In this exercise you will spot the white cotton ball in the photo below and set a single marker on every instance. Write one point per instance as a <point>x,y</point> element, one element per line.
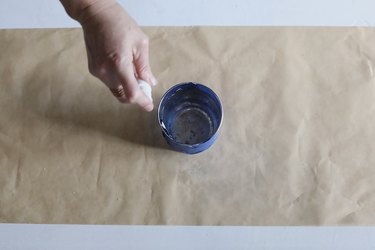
<point>145,87</point>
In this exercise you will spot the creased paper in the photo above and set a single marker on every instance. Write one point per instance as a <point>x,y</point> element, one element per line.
<point>296,146</point>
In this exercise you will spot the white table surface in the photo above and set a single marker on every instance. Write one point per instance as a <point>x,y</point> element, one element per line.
<point>50,14</point>
<point>72,237</point>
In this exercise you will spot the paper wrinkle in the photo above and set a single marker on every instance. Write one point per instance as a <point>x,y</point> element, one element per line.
<point>17,179</point>
<point>205,43</point>
<point>370,67</point>
<point>368,62</point>
<point>366,58</point>
<point>359,41</point>
<point>156,201</point>
<point>99,166</point>
<point>299,134</point>
<point>6,146</point>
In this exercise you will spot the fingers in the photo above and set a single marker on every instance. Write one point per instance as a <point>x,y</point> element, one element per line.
<point>119,76</point>
<point>125,75</point>
<point>142,65</point>
<point>121,71</point>
<point>110,80</point>
<point>119,93</point>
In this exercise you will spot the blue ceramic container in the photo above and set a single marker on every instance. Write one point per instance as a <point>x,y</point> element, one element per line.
<point>190,115</point>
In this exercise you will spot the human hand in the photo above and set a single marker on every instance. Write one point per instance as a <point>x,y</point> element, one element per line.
<point>117,51</point>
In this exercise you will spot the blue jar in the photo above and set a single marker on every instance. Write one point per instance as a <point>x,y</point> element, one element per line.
<point>190,115</point>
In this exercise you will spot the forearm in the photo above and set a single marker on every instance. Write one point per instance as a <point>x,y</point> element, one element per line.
<point>80,10</point>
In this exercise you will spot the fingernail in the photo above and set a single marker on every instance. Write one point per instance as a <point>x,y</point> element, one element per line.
<point>154,82</point>
<point>149,107</point>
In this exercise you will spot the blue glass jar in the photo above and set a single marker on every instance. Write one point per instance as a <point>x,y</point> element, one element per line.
<point>190,115</point>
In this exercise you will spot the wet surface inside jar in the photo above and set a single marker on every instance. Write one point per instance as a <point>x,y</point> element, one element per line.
<point>191,126</point>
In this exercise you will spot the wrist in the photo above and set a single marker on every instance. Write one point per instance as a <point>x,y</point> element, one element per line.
<point>81,10</point>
